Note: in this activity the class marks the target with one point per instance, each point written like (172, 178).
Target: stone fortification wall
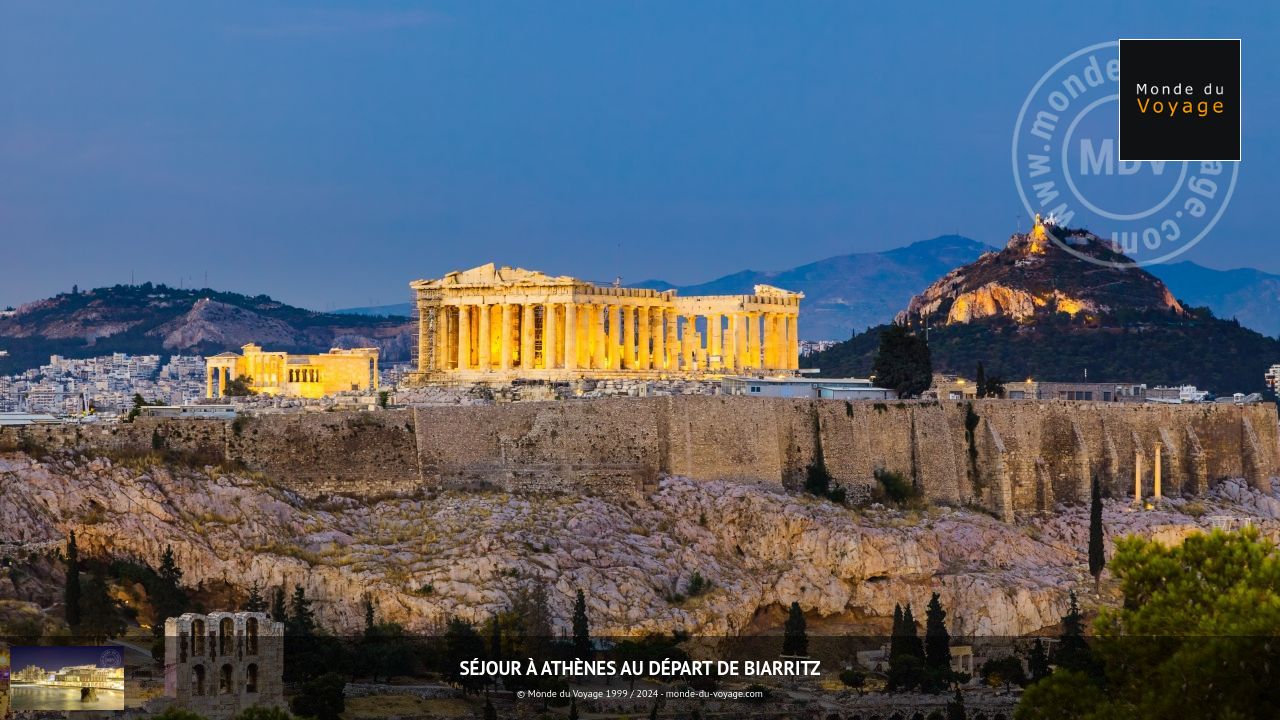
(1008, 456)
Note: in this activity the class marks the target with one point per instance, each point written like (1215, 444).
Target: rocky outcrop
(462, 554)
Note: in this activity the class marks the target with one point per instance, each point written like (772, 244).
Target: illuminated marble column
(505, 339)
(769, 338)
(753, 340)
(424, 321)
(740, 340)
(715, 342)
(526, 323)
(485, 340)
(642, 344)
(585, 331)
(464, 337)
(658, 329)
(1137, 478)
(208, 381)
(672, 340)
(442, 338)
(1155, 490)
(793, 341)
(729, 348)
(614, 359)
(570, 336)
(628, 337)
(550, 326)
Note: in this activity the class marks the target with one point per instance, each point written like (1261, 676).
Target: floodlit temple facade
(502, 324)
(282, 373)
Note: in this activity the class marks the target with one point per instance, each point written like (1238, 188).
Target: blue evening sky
(328, 153)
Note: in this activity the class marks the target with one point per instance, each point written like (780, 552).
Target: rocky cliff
(434, 555)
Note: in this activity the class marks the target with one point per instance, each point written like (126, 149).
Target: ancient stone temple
(501, 324)
(281, 373)
(219, 664)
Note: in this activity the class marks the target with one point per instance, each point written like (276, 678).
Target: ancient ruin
(492, 324)
(221, 663)
(281, 373)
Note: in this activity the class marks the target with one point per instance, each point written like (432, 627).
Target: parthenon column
(642, 345)
(614, 360)
(599, 351)
(424, 319)
(550, 348)
(208, 381)
(443, 338)
(729, 347)
(753, 340)
(628, 337)
(464, 337)
(793, 341)
(769, 339)
(485, 343)
(570, 336)
(658, 331)
(715, 347)
(504, 336)
(527, 323)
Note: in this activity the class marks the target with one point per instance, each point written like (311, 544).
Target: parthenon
(497, 324)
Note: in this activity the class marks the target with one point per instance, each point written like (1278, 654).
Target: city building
(801, 387)
(282, 373)
(953, 387)
(491, 324)
(1273, 378)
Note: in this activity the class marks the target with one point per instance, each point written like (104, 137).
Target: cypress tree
(573, 709)
(278, 612)
(1038, 662)
(937, 645)
(255, 602)
(911, 634)
(368, 615)
(895, 639)
(955, 708)
(71, 596)
(490, 713)
(581, 628)
(302, 620)
(981, 381)
(1097, 555)
(795, 640)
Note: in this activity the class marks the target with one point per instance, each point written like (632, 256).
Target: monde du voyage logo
(1134, 140)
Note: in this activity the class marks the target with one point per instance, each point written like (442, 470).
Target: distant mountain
(1248, 295)
(396, 310)
(849, 292)
(1034, 310)
(155, 319)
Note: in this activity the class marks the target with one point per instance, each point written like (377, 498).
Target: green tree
(321, 698)
(71, 594)
(955, 708)
(240, 386)
(795, 639)
(301, 620)
(278, 611)
(1097, 551)
(581, 628)
(903, 363)
(1073, 652)
(906, 654)
(255, 602)
(937, 646)
(1004, 671)
(462, 643)
(1037, 662)
(980, 381)
(168, 597)
(99, 619)
(1193, 638)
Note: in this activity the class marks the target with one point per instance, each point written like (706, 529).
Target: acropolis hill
(497, 324)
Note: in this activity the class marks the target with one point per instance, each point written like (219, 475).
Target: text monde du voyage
(638, 668)
(1179, 99)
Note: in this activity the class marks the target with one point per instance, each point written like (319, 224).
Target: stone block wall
(1009, 456)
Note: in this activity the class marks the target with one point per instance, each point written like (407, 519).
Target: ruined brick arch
(918, 716)
(197, 638)
(226, 680)
(226, 636)
(251, 636)
(251, 678)
(197, 680)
